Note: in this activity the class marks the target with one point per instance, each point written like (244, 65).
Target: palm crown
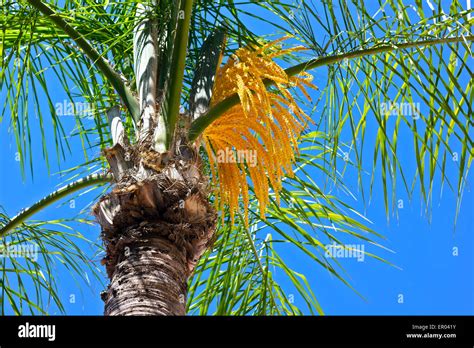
(192, 76)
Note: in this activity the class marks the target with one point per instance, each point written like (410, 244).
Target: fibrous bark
(149, 277)
(156, 223)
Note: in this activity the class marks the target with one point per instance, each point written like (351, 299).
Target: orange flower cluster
(257, 138)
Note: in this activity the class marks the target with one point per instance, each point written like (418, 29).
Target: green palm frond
(435, 81)
(90, 180)
(34, 60)
(36, 56)
(238, 276)
(30, 258)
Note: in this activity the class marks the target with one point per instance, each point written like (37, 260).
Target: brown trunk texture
(156, 223)
(149, 278)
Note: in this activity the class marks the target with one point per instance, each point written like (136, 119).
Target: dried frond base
(165, 195)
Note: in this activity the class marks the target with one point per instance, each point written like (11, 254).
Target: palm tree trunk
(149, 278)
(156, 223)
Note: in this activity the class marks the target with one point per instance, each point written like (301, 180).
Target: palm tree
(176, 86)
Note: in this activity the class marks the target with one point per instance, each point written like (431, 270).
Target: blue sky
(432, 278)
